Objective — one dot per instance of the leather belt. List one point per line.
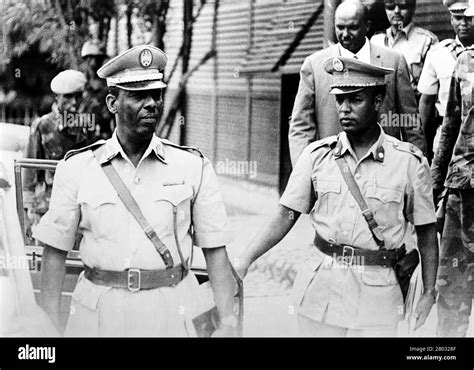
(353, 255)
(135, 279)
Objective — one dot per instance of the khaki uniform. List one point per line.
(168, 181)
(394, 179)
(414, 43)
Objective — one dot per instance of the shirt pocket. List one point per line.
(381, 301)
(99, 207)
(171, 208)
(306, 274)
(327, 194)
(385, 203)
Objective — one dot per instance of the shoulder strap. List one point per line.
(356, 193)
(133, 207)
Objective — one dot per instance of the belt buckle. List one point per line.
(134, 274)
(344, 255)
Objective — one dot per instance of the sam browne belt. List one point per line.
(353, 255)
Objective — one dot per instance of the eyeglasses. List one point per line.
(391, 6)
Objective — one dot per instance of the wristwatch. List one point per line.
(230, 321)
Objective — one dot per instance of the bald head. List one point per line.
(352, 24)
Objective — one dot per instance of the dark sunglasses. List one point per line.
(391, 6)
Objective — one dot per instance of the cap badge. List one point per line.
(337, 65)
(146, 58)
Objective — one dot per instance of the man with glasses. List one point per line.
(412, 41)
(438, 70)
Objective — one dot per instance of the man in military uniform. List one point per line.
(453, 168)
(93, 101)
(315, 115)
(52, 136)
(136, 280)
(404, 36)
(438, 70)
(347, 286)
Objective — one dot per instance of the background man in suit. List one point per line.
(315, 115)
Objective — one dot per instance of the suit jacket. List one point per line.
(315, 113)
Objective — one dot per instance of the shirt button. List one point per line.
(138, 180)
(357, 176)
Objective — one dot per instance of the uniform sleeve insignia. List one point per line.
(72, 153)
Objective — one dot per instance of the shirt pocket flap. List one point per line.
(87, 293)
(325, 186)
(379, 277)
(384, 195)
(315, 260)
(98, 196)
(174, 194)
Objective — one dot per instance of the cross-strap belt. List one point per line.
(133, 207)
(356, 193)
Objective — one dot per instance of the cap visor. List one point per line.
(345, 90)
(143, 85)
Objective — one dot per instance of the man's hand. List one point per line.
(423, 309)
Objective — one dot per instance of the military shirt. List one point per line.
(50, 138)
(453, 164)
(394, 179)
(436, 76)
(167, 181)
(414, 43)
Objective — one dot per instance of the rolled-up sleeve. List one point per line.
(420, 206)
(299, 195)
(209, 214)
(58, 226)
(428, 83)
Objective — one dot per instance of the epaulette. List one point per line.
(445, 43)
(190, 149)
(426, 32)
(408, 148)
(328, 141)
(72, 153)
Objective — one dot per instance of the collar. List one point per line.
(363, 54)
(377, 150)
(458, 42)
(406, 31)
(112, 148)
